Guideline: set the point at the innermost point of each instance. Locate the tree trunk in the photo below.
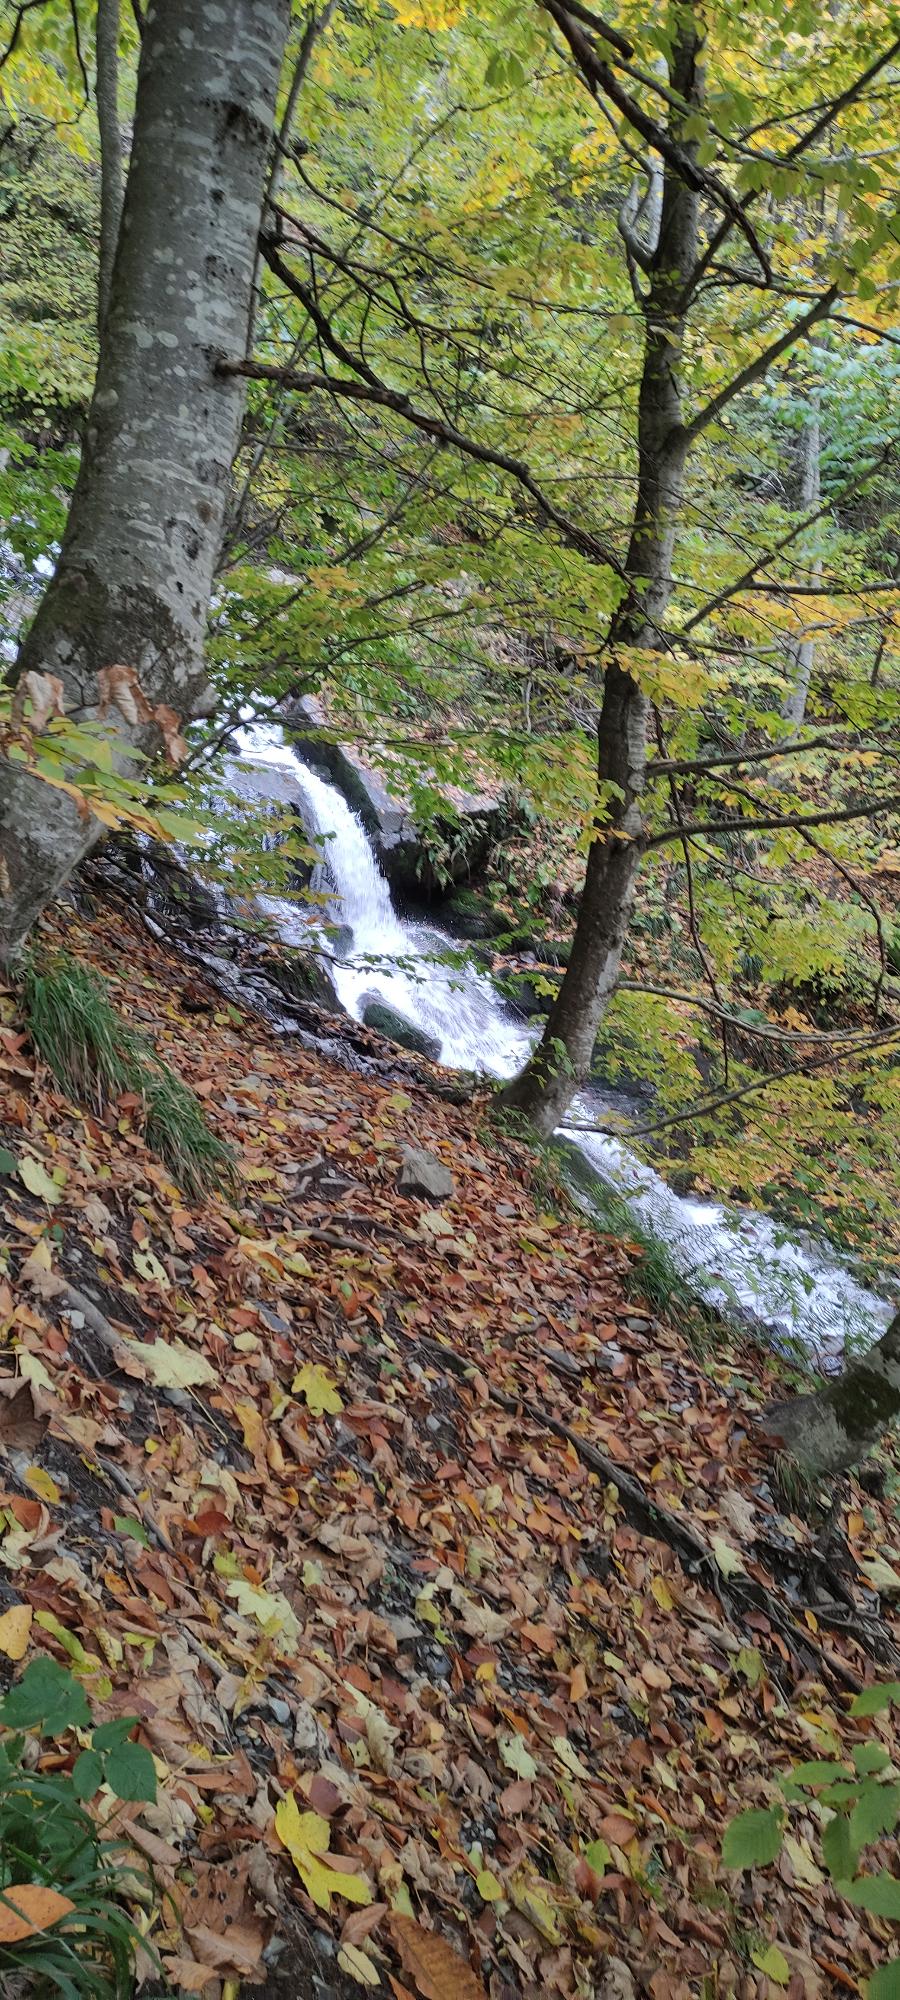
(833, 1429)
(563, 1055)
(107, 63)
(135, 572)
(794, 708)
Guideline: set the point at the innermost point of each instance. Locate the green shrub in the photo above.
(48, 1838)
(857, 1803)
(95, 1056)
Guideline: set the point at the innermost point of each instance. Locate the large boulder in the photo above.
(422, 1174)
(395, 1026)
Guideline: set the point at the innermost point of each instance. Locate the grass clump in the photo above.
(95, 1056)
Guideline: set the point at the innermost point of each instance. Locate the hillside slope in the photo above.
(436, 1529)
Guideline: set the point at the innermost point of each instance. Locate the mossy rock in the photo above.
(387, 1021)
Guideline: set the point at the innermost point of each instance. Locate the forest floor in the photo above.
(415, 1513)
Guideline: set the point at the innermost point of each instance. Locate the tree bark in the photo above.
(833, 1429)
(135, 571)
(563, 1056)
(107, 64)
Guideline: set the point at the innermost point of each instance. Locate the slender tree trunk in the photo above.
(834, 1428)
(135, 572)
(563, 1055)
(794, 708)
(111, 183)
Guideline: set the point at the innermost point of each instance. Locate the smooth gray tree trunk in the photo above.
(563, 1056)
(133, 580)
(836, 1427)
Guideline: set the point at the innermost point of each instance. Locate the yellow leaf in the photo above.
(251, 1424)
(489, 1889)
(41, 1483)
(15, 1629)
(38, 1181)
(150, 1267)
(662, 1594)
(306, 1836)
(727, 1558)
(172, 1366)
(358, 1964)
(881, 1575)
(317, 1386)
(771, 1961)
(270, 1609)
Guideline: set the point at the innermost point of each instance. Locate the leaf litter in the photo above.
(458, 1598)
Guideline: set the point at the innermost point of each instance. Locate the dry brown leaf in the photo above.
(34, 1909)
(21, 1429)
(238, 1950)
(170, 727)
(439, 1971)
(120, 688)
(44, 696)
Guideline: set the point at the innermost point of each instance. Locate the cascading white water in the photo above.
(735, 1258)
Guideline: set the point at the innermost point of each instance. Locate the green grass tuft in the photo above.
(95, 1056)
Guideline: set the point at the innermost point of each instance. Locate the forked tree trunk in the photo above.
(135, 573)
(833, 1429)
(563, 1055)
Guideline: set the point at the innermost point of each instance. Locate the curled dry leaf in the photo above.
(439, 1971)
(170, 727)
(120, 688)
(36, 699)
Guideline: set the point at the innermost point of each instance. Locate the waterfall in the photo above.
(737, 1259)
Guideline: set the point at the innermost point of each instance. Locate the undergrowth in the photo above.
(95, 1056)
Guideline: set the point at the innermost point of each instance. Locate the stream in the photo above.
(736, 1259)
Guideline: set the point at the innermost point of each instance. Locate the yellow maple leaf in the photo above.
(316, 1385)
(306, 1837)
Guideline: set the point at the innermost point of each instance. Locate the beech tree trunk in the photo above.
(134, 576)
(833, 1429)
(107, 67)
(563, 1056)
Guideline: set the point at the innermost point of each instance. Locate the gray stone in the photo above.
(422, 1174)
(617, 1982)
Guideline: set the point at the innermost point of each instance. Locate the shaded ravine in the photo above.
(736, 1259)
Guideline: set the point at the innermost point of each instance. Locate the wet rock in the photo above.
(304, 976)
(422, 1174)
(377, 1014)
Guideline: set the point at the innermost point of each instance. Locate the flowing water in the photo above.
(738, 1259)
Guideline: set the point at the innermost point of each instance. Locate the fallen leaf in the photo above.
(30, 1907)
(172, 1366)
(306, 1837)
(516, 1756)
(38, 1181)
(15, 1630)
(318, 1389)
(358, 1964)
(439, 1971)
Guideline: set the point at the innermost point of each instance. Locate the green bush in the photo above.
(857, 1804)
(48, 1838)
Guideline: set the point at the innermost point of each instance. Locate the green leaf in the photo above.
(879, 1894)
(87, 1774)
(869, 1757)
(818, 1772)
(38, 1181)
(885, 1984)
(753, 1839)
(8, 1161)
(772, 1961)
(838, 1851)
(130, 1772)
(874, 1700)
(598, 1856)
(111, 1734)
(877, 1811)
(125, 1524)
(48, 1698)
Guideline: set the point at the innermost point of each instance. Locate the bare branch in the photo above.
(770, 822)
(757, 368)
